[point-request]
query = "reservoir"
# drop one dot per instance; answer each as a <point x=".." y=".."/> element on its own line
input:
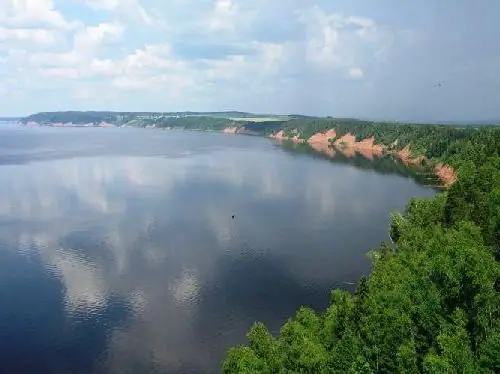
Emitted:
<point x="148" y="251"/>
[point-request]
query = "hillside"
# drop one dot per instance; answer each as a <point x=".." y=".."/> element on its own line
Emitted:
<point x="140" y="119"/>
<point x="432" y="301"/>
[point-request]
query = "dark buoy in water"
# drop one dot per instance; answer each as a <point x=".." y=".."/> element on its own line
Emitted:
<point x="232" y="216"/>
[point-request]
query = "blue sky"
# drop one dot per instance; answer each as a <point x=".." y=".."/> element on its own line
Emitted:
<point x="361" y="58"/>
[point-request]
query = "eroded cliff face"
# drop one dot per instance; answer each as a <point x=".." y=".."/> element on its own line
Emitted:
<point x="369" y="144"/>
<point x="349" y="147"/>
<point x="322" y="138"/>
<point x="348" y="140"/>
<point x="230" y="130"/>
<point x="446" y="174"/>
<point x="347" y="144"/>
<point x="326" y="142"/>
<point x="405" y="155"/>
<point x="280" y="135"/>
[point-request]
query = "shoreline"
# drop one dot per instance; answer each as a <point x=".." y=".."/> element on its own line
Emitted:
<point x="325" y="142"/>
<point x="328" y="142"/>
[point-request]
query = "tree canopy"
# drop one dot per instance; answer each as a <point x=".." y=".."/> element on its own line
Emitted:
<point x="432" y="301"/>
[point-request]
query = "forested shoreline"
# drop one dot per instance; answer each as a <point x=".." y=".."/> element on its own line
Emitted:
<point x="432" y="301"/>
<point x="427" y="145"/>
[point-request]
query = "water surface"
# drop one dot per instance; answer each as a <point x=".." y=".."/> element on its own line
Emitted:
<point x="119" y="253"/>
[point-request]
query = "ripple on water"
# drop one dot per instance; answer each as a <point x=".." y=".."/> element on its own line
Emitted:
<point x="129" y="261"/>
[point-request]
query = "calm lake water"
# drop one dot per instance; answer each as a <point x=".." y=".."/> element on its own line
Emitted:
<point x="119" y="253"/>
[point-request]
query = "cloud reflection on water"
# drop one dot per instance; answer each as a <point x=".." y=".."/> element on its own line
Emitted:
<point x="155" y="234"/>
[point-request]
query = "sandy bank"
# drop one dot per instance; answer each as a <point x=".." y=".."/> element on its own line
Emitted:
<point x="406" y="156"/>
<point x="322" y="138"/>
<point x="349" y="147"/>
<point x="280" y="135"/>
<point x="446" y="174"/>
<point x="230" y="130"/>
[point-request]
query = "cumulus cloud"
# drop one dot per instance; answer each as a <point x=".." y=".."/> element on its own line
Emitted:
<point x="102" y="51"/>
<point x="63" y="72"/>
<point x="23" y="12"/>
<point x="38" y="36"/>
<point x="89" y="38"/>
<point x="355" y="73"/>
<point x="200" y="54"/>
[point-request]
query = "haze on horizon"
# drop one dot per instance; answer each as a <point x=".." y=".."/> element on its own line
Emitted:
<point x="416" y="61"/>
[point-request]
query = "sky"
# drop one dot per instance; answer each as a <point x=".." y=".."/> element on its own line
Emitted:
<point x="423" y="60"/>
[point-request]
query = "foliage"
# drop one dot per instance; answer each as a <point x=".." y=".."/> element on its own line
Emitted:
<point x="196" y="123"/>
<point x="432" y="302"/>
<point x="141" y="119"/>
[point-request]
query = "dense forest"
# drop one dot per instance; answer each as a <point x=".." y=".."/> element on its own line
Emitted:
<point x="432" y="301"/>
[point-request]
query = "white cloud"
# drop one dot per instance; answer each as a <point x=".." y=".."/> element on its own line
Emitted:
<point x="228" y="68"/>
<point x="355" y="73"/>
<point x="273" y="55"/>
<point x="202" y="54"/>
<point x="322" y="36"/>
<point x="87" y="43"/>
<point x="37" y="36"/>
<point x="148" y="68"/>
<point x="62" y="72"/>
<point x="88" y="39"/>
<point x="15" y="13"/>
<point x="363" y="22"/>
<point x="104" y="67"/>
<point x="335" y="40"/>
<point x="49" y="59"/>
<point x="152" y="56"/>
<point x="224" y="15"/>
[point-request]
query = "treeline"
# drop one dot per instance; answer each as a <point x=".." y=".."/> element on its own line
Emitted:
<point x="195" y="123"/>
<point x="143" y="118"/>
<point x="450" y="144"/>
<point x="75" y="117"/>
<point x="432" y="301"/>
